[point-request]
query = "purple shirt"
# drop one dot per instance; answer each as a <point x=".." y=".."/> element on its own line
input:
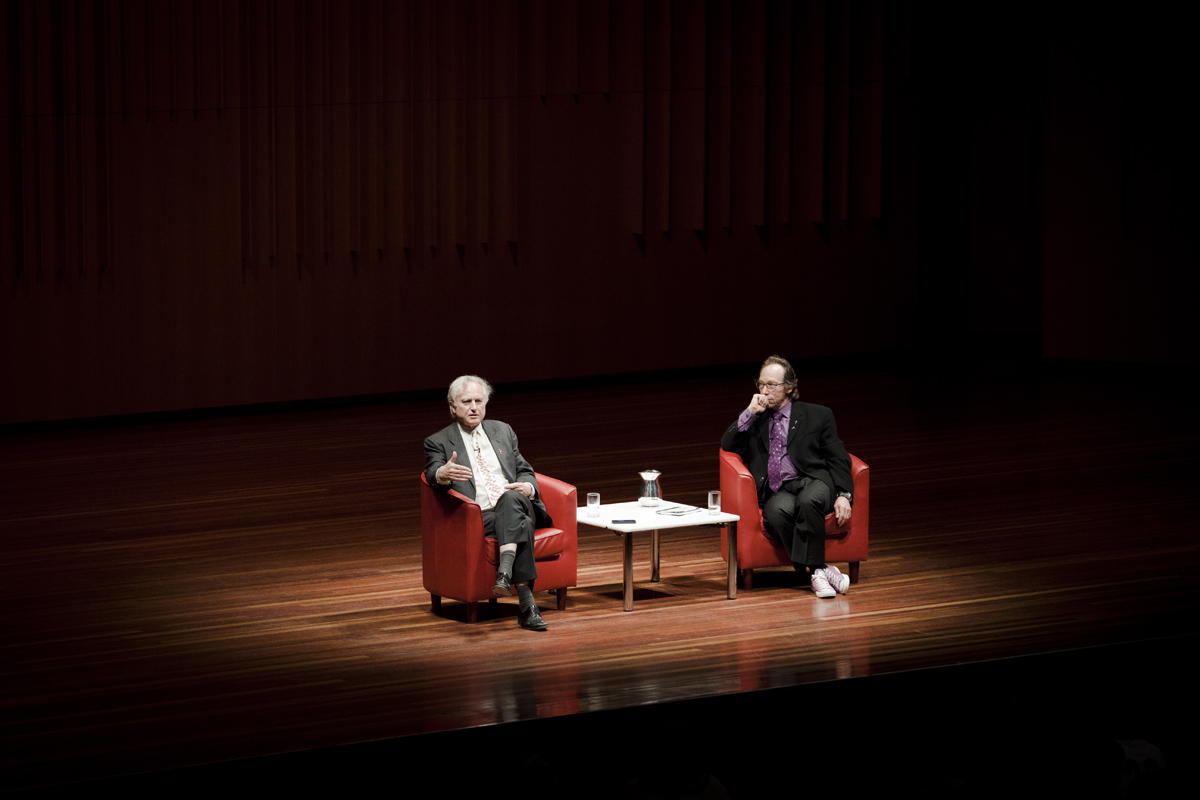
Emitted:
<point x="778" y="422"/>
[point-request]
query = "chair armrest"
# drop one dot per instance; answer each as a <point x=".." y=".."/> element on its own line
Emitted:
<point x="560" y="501"/>
<point x="739" y="495"/>
<point x="451" y="539"/>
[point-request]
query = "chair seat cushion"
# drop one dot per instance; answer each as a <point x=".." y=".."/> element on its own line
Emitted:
<point x="548" y="544"/>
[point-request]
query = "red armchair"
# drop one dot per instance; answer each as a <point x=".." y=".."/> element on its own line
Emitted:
<point x="757" y="548"/>
<point x="459" y="562"/>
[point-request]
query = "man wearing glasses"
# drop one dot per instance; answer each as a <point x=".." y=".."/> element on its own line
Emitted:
<point x="801" y="468"/>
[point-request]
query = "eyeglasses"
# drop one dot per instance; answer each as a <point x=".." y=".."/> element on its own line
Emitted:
<point x="767" y="387"/>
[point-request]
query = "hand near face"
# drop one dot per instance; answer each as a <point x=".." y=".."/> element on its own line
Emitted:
<point x="758" y="404"/>
<point x="453" y="471"/>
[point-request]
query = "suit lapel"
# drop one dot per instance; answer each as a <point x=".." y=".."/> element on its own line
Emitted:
<point x="795" y="419"/>
<point x="459" y="443"/>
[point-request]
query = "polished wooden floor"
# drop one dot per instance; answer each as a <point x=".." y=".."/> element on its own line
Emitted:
<point x="195" y="589"/>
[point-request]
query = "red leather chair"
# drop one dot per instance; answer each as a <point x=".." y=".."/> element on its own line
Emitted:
<point x="459" y="562"/>
<point x="757" y="548"/>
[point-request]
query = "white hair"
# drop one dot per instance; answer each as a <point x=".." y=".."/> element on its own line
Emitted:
<point x="459" y="385"/>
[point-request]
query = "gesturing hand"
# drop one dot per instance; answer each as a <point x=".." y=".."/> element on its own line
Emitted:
<point x="453" y="471"/>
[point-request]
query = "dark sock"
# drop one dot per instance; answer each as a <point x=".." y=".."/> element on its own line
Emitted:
<point x="506" y="562"/>
<point x="525" y="595"/>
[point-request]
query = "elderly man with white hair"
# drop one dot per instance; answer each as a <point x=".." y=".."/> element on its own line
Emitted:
<point x="479" y="458"/>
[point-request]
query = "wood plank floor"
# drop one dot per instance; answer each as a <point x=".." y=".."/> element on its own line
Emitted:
<point x="198" y="589"/>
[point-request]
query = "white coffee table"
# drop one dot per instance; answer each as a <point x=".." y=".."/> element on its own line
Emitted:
<point x="646" y="518"/>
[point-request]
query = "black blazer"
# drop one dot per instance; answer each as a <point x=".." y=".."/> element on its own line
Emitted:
<point x="441" y="445"/>
<point x="813" y="446"/>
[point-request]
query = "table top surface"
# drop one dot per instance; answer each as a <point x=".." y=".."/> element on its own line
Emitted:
<point x="647" y="518"/>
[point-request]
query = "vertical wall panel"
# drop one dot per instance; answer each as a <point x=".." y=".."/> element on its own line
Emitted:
<point x="779" y="111"/>
<point x="627" y="81"/>
<point x="425" y="121"/>
<point x="370" y="165"/>
<point x="476" y="85"/>
<point x="57" y="125"/>
<point x="73" y="190"/>
<point x="139" y="59"/>
<point x="48" y="185"/>
<point x="749" y="112"/>
<point x="658" y="116"/>
<point x="627" y="46"/>
<point x="353" y="47"/>
<point x="720" y="114"/>
<point x="338" y="153"/>
<point x="688" y="27"/>
<point x="106" y="111"/>
<point x="398" y="188"/>
<point x="866" y="161"/>
<point x="257" y="136"/>
<point x="593" y="31"/>
<point x="626" y="62"/>
<point x="504" y="70"/>
<point x="210" y="57"/>
<point x="184" y="68"/>
<point x="160" y="49"/>
<point x="315" y="232"/>
<point x="451" y="139"/>
<point x="533" y="45"/>
<point x="837" y="123"/>
<point x="300" y="120"/>
<point x="808" y="111"/>
<point x="286" y="48"/>
<point x="10" y="145"/>
<point x="562" y="47"/>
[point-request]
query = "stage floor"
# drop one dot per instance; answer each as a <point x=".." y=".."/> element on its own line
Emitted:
<point x="209" y="588"/>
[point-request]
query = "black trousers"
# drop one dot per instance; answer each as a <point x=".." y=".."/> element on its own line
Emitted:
<point x="795" y="515"/>
<point x="511" y="522"/>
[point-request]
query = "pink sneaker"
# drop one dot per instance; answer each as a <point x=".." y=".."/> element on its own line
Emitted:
<point x="837" y="580"/>
<point x="820" y="585"/>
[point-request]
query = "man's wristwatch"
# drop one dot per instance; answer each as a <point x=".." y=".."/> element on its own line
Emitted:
<point x="846" y="495"/>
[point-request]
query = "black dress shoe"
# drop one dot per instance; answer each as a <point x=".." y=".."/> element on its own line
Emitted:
<point x="503" y="587"/>
<point x="531" y="620"/>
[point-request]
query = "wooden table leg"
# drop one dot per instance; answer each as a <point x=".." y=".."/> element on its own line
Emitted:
<point x="629" y="571"/>
<point x="654" y="556"/>
<point x="732" y="576"/>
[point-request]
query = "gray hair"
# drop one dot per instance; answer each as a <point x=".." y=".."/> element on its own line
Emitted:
<point x="459" y="385"/>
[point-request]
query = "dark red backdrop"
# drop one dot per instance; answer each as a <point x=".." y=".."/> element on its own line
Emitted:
<point x="219" y="203"/>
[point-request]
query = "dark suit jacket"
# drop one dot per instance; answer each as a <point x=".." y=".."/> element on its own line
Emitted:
<point x="813" y="446"/>
<point x="441" y="445"/>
